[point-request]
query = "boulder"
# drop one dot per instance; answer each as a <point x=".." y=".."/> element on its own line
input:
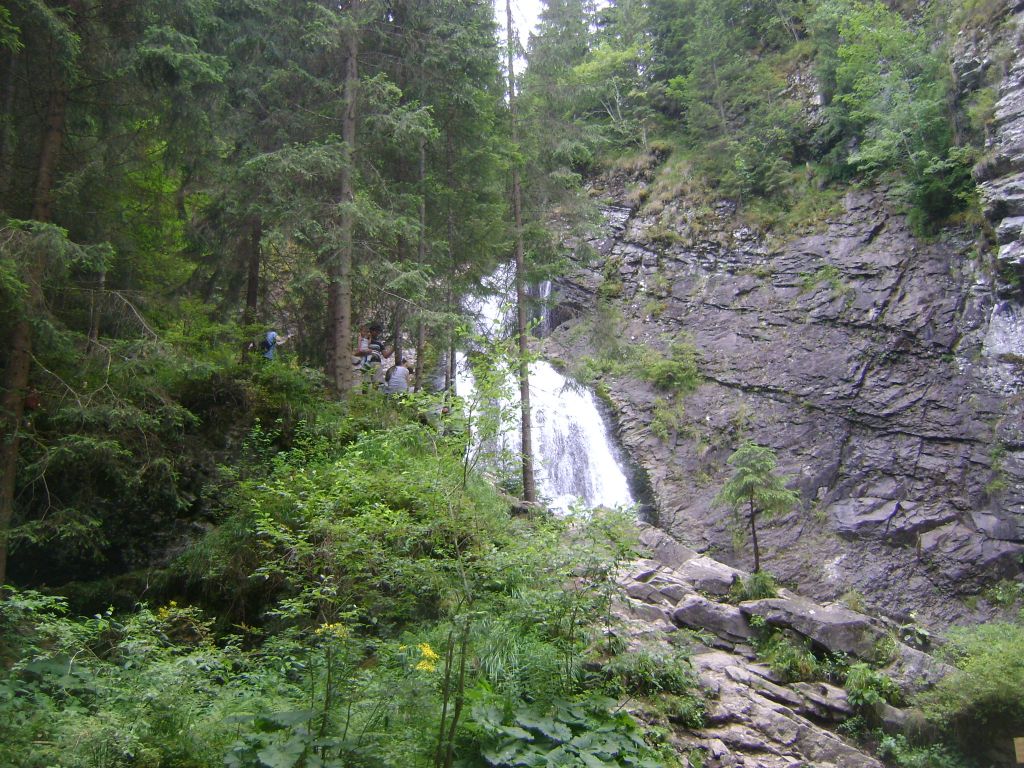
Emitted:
<point x="823" y="702"/>
<point x="710" y="576"/>
<point x="726" y="621"/>
<point x="834" y="627"/>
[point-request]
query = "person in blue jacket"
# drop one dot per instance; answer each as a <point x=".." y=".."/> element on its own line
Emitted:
<point x="269" y="345"/>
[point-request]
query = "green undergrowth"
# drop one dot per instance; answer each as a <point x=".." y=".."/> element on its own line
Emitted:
<point x="676" y="371"/>
<point x="794" y="658"/>
<point x="965" y="720"/>
<point x="121" y="453"/>
<point x="368" y="602"/>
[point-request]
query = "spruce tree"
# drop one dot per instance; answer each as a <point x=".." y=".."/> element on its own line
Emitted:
<point x="755" y="485"/>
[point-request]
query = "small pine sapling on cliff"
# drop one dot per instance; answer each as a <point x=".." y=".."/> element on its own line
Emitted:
<point x="755" y="484"/>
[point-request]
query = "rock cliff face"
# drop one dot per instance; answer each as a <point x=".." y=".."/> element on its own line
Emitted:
<point x="1002" y="173"/>
<point x="885" y="371"/>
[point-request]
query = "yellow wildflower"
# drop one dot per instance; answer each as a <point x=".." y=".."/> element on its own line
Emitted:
<point x="427" y="652"/>
<point x="337" y="630"/>
<point x="428" y="658"/>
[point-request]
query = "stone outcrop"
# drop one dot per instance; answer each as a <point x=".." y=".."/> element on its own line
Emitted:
<point x="834" y="627"/>
<point x="1002" y="172"/>
<point x="884" y="371"/>
<point x="753" y="718"/>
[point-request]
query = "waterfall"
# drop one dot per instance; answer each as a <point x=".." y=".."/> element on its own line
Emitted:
<point x="574" y="454"/>
<point x="540" y="312"/>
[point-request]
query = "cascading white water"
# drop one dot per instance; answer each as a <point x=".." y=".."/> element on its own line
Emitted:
<point x="576" y="459"/>
<point x="542" y="312"/>
<point x="574" y="454"/>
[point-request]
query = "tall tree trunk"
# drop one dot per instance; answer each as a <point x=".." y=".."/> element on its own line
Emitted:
<point x="452" y="371"/>
<point x="339" y="340"/>
<point x="753" y="537"/>
<point x="331" y="361"/>
<point x="250" y="254"/>
<point x="421" y="257"/>
<point x="94" y="313"/>
<point x="529" y="483"/>
<point x="396" y="329"/>
<point x="421" y="343"/>
<point x="6" y="145"/>
<point x="19" y="342"/>
<point x="449" y="173"/>
<point x="253" y="259"/>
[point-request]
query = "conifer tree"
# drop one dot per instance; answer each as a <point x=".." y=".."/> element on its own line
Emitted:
<point x="526" y="431"/>
<point x="755" y="485"/>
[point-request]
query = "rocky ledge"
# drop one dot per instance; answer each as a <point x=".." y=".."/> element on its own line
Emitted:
<point x="753" y="718"/>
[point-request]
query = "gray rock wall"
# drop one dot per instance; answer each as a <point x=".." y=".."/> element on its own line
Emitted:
<point x="1002" y="172"/>
<point x="883" y="370"/>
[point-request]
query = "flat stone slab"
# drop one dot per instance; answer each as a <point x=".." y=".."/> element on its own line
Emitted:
<point x="726" y="621"/>
<point x="835" y="627"/>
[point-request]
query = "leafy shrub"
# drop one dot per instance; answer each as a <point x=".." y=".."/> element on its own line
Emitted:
<point x="642" y="673"/>
<point x="679" y="372"/>
<point x="866" y="688"/>
<point x="980" y="702"/>
<point x="901" y="753"/>
<point x="791" y="659"/>
<point x="757" y="586"/>
<point x="564" y="733"/>
<point x="666" y="418"/>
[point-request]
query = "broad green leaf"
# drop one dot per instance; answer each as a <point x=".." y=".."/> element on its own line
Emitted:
<point x="286" y="755"/>
<point x="517" y="733"/>
<point x="554" y="730"/>
<point x="504" y="753"/>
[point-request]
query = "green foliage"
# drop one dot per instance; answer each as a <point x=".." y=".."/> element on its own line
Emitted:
<point x="854" y="600"/>
<point x="890" y="91"/>
<point x="679" y="372"/>
<point x="866" y="688"/>
<point x="562" y="732"/>
<point x="981" y="700"/>
<point x="898" y="750"/>
<point x="725" y="84"/>
<point x="667" y="418"/>
<point x="374" y="585"/>
<point x="755" y="485"/>
<point x="643" y="673"/>
<point x="791" y="659"/>
<point x="125" y="445"/>
<point x="667" y="680"/>
<point x="829" y="275"/>
<point x="1004" y="593"/>
<point x="110" y="690"/>
<point x="757" y="586"/>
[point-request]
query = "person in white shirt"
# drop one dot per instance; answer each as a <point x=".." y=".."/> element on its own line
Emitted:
<point x="397" y="378"/>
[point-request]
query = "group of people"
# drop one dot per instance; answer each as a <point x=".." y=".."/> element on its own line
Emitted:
<point x="369" y="358"/>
